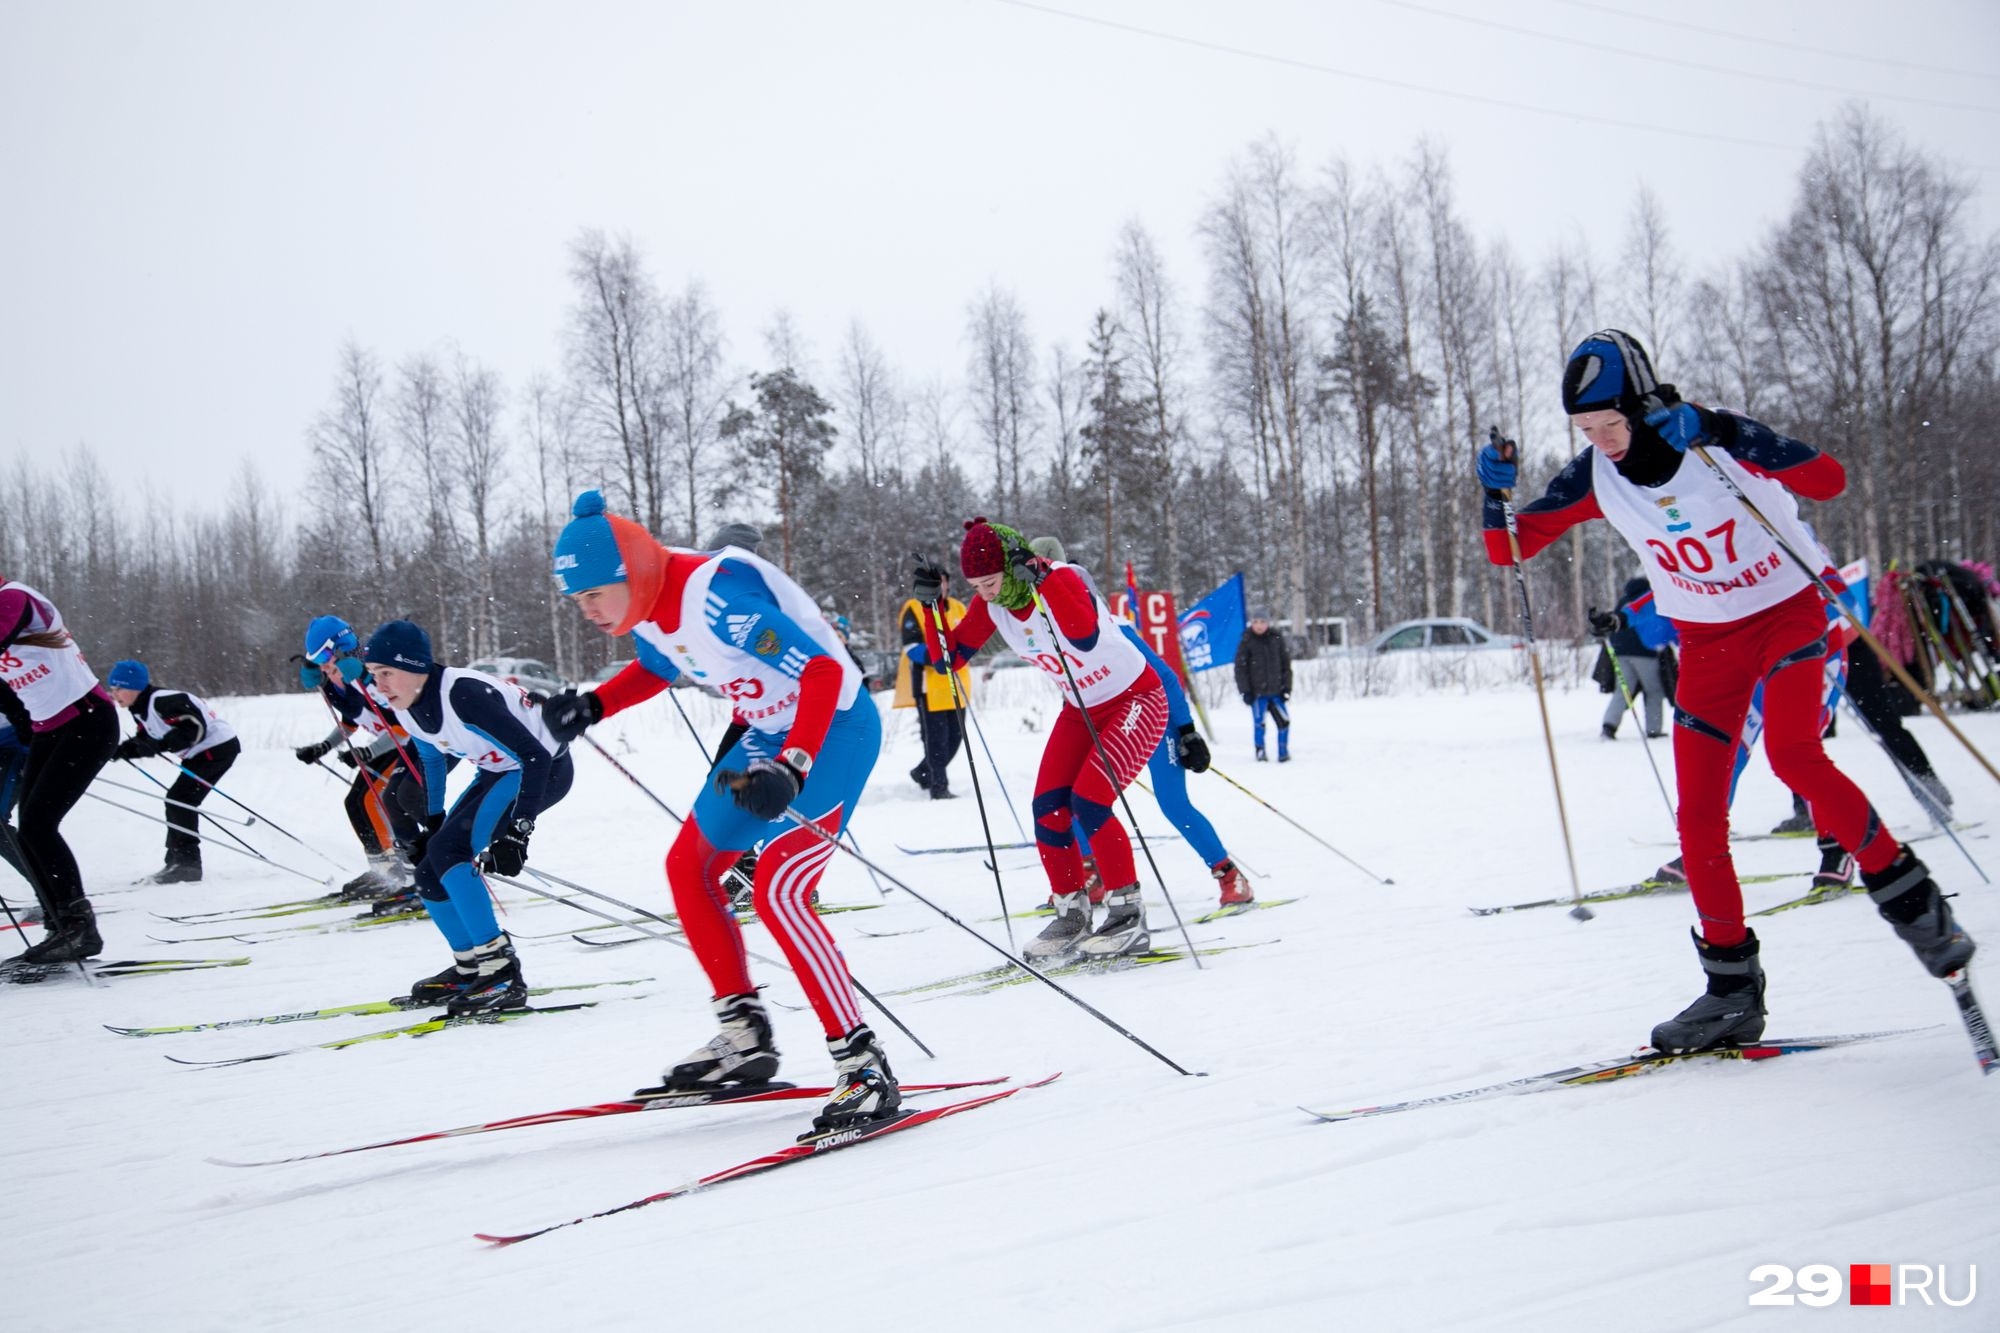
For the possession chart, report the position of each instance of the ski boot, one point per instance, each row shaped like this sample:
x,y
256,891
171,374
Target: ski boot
x,y
378,880
743,1052
1799,821
1093,885
72,936
496,982
443,987
864,1089
1284,755
1916,910
181,868
1836,868
1673,872
1939,794
1060,937
740,882
1732,1010
1608,732
1124,928
1261,756
1235,891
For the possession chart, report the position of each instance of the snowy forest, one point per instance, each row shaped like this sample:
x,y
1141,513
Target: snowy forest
x,y
1304,409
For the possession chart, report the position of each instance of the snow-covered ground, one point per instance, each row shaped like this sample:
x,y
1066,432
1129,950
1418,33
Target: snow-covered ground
x,y
1123,1197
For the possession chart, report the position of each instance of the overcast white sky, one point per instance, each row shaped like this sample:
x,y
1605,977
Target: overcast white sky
x,y
200,201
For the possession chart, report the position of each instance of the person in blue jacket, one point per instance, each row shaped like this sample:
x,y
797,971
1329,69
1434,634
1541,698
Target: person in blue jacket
x,y
451,713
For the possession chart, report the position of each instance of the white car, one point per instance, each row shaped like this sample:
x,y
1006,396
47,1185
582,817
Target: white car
x,y
1440,632
527,672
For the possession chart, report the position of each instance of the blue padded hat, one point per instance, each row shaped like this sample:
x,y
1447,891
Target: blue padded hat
x,y
128,675
400,644
1608,370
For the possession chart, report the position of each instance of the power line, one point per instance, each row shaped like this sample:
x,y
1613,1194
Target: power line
x,y
1629,53
1781,44
1455,94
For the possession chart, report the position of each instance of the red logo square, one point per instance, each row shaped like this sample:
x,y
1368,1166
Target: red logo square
x,y
1868,1284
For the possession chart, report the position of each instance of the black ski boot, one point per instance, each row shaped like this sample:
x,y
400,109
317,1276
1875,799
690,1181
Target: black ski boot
x,y
445,986
181,868
743,1052
1836,868
865,1088
1732,1011
1799,821
1060,937
496,982
1124,928
740,883
1916,910
1673,872
72,937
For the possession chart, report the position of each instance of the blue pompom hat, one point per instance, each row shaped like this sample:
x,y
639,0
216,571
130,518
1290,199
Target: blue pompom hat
x,y
587,554
400,644
327,637
128,675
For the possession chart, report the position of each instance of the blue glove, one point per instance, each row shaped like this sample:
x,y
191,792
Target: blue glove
x,y
1679,425
309,677
1497,471
918,654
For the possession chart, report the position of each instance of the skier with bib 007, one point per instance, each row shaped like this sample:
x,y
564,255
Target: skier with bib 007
x,y
790,781
1745,614
174,722
451,713
1046,612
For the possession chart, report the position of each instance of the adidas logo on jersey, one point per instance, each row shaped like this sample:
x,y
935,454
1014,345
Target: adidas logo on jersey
x,y
738,628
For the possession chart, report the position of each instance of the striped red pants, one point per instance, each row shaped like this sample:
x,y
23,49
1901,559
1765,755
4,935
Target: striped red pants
x,y
1074,790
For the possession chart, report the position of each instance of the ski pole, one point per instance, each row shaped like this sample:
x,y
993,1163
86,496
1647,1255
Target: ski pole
x,y
1939,816
199,812
221,846
862,990
1645,740
245,822
1379,879
1111,774
1027,967
19,859
1862,631
270,823
1507,452
972,762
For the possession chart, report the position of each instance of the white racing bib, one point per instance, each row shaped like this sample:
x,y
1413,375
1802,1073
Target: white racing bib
x,y
1103,671
47,680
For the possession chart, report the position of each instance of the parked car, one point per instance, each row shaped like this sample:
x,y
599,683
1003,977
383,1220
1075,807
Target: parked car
x,y
878,669
526,672
1439,632
1002,661
607,672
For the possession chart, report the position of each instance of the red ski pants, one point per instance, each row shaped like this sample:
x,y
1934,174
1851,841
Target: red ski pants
x,y
1073,789
788,868
1784,646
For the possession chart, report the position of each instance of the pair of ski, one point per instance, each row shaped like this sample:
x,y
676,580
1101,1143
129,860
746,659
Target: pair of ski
x,y
24,973
1047,910
1645,888
811,1146
1646,1059
1007,974
400,912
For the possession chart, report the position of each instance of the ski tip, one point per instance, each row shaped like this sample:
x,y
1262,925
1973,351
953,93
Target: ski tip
x,y
224,1161
497,1242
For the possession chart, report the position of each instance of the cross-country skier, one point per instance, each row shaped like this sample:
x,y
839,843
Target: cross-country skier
x,y
734,621
13,758
1181,751
1264,679
50,694
1046,612
451,713
175,723
1745,614
386,788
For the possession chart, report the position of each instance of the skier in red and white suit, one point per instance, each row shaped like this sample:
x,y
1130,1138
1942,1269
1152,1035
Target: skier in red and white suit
x,y
1097,669
1745,614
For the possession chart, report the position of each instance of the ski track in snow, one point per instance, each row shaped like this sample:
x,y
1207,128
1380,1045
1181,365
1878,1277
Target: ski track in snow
x,y
1122,1197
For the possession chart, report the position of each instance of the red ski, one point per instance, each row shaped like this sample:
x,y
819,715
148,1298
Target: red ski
x,y
796,1152
730,1096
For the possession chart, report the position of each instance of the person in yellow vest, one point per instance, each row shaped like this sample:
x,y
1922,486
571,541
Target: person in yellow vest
x,y
940,713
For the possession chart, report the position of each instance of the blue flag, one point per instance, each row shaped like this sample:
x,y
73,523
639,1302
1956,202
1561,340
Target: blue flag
x,y
1211,627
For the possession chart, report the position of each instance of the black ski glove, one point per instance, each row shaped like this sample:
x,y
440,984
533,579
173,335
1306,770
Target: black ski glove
x,y
1604,624
926,580
1028,567
508,851
136,747
420,841
346,756
570,713
312,754
766,790
1191,749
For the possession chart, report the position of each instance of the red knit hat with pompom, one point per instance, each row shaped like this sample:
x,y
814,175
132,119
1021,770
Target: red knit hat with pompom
x,y
982,552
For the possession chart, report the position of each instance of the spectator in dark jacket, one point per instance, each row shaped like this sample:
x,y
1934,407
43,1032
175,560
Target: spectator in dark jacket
x,y
1264,679
1636,657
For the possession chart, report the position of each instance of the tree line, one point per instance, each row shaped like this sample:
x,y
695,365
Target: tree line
x,y
1304,409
